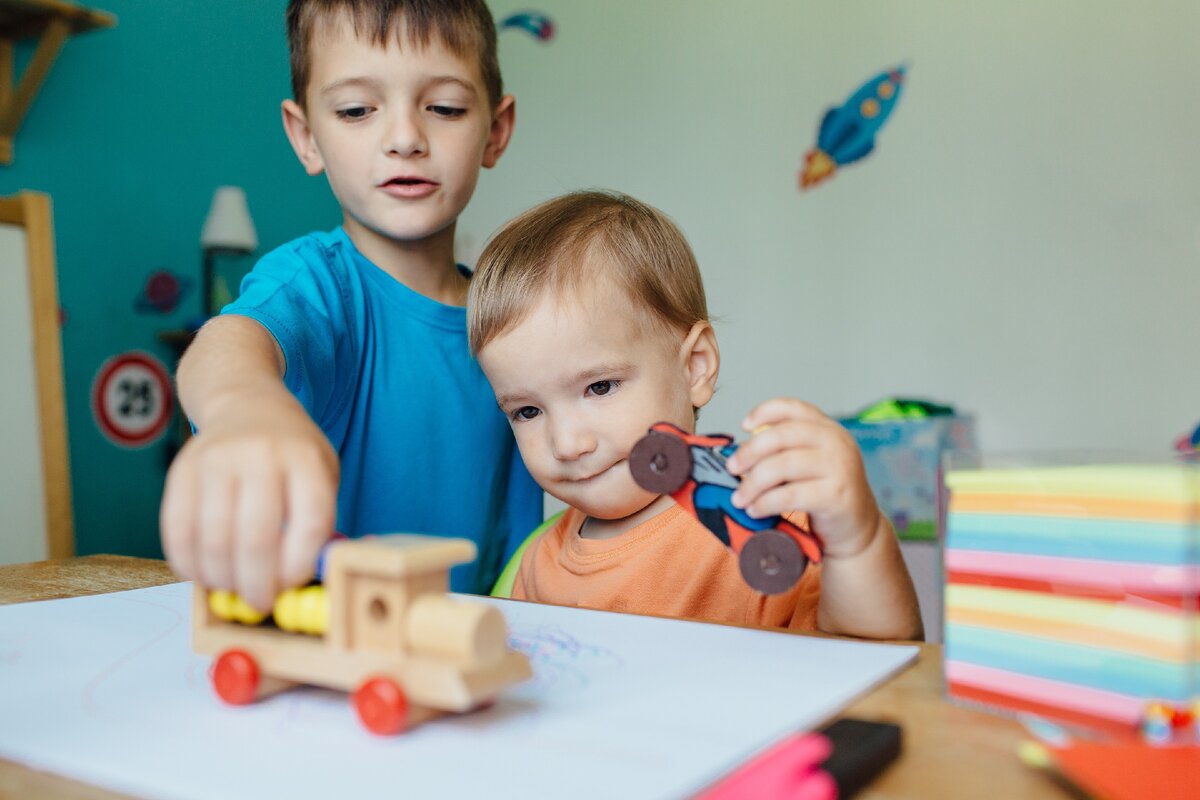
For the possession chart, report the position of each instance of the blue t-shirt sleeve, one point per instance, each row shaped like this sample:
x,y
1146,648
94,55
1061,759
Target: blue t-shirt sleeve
x,y
299,303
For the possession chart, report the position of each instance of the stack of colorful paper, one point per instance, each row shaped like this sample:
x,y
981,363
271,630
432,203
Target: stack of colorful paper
x,y
1072,591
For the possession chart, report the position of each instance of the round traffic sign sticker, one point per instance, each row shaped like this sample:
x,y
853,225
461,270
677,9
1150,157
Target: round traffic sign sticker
x,y
131,399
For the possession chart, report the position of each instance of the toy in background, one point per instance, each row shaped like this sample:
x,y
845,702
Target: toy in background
x,y
1190,442
1165,723
902,442
1073,591
847,133
772,552
381,626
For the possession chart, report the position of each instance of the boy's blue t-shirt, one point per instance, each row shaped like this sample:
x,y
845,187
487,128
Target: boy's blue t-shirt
x,y
386,373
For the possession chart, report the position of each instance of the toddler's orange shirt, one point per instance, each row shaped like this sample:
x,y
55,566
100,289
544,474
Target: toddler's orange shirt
x,y
668,566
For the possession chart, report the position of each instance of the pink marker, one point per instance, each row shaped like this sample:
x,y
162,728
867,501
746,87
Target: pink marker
x,y
831,764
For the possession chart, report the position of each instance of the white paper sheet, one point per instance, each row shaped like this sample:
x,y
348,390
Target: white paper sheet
x,y
105,689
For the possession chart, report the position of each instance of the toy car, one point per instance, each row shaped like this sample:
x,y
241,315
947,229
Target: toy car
x,y
772,552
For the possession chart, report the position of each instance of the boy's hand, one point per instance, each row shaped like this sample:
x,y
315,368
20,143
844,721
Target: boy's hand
x,y
801,460
250,501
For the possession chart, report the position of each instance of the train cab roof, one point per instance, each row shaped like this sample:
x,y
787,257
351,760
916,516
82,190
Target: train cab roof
x,y
400,554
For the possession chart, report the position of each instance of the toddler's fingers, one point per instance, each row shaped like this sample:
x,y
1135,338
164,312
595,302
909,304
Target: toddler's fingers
x,y
259,520
772,439
310,516
177,518
793,465
780,409
786,497
214,536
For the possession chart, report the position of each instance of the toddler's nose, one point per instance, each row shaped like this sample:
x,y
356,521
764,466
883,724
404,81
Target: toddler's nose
x,y
571,441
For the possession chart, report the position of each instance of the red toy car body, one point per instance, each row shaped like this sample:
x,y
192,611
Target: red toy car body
x,y
772,552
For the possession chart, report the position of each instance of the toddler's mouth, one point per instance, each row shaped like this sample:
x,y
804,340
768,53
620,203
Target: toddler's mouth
x,y
594,475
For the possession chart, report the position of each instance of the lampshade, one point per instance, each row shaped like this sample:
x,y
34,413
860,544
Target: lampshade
x,y
228,226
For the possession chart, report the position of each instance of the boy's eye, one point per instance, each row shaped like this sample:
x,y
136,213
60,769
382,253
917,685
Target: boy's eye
x,y
353,112
449,112
602,388
525,413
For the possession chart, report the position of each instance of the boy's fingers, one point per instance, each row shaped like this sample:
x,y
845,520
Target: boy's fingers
x,y
310,513
177,520
214,536
259,519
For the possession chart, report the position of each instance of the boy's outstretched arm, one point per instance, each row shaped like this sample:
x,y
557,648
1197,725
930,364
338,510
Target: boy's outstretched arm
x,y
249,500
804,461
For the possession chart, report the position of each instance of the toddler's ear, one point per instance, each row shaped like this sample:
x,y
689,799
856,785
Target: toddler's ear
x,y
501,131
295,124
703,362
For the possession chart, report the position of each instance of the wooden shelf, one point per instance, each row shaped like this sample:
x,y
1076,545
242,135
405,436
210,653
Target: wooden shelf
x,y
50,22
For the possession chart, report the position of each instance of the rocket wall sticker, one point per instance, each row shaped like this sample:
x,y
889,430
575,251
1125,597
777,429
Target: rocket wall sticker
x,y
847,133
537,25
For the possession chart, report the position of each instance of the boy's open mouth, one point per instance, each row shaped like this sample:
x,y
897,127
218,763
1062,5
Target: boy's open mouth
x,y
407,182
408,187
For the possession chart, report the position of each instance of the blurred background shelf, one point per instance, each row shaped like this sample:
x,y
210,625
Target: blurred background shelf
x,y
50,22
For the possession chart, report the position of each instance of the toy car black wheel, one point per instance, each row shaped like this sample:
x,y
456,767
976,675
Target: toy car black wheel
x,y
771,562
660,463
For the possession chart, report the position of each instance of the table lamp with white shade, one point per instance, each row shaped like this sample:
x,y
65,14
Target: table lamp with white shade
x,y
228,230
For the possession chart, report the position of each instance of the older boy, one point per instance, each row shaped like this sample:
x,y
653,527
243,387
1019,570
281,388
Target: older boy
x,y
588,316
346,351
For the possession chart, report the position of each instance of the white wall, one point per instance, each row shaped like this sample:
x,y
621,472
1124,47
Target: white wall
x,y
22,488
1023,243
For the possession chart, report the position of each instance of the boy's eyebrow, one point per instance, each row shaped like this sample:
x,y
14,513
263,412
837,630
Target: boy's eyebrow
x,y
591,375
432,81
440,79
345,82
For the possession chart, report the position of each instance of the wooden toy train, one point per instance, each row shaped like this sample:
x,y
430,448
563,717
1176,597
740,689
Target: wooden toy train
x,y
380,626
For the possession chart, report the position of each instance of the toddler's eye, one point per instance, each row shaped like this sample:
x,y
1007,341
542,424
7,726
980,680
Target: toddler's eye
x,y
602,388
525,413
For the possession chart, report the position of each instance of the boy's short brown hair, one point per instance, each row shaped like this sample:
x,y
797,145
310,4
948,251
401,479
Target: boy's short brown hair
x,y
465,27
552,246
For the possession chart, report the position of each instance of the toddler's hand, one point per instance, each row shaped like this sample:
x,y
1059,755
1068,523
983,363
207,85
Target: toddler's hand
x,y
250,501
801,460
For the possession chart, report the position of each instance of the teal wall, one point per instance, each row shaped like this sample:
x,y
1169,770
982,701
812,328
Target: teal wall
x,y
131,133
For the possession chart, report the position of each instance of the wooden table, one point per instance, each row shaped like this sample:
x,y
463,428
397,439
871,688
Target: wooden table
x,y
950,752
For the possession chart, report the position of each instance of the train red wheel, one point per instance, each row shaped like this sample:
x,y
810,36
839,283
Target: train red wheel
x,y
660,463
381,706
236,677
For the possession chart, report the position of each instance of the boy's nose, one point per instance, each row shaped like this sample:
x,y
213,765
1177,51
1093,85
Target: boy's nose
x,y
405,136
